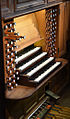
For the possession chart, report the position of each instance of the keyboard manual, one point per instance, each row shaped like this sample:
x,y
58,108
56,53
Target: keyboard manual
x,y
34,66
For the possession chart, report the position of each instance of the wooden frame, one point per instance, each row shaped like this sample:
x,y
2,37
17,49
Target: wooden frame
x,y
26,5
51,1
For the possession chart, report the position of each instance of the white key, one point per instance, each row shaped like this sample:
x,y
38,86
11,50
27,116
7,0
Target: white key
x,y
40,66
47,72
27,54
32,61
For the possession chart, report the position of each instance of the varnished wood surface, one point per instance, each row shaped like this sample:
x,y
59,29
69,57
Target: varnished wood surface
x,y
31,10
61,41
50,1
19,92
22,92
29,28
32,26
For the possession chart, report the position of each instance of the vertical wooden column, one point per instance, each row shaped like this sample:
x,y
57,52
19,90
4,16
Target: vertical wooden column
x,y
61,42
64,26
2,86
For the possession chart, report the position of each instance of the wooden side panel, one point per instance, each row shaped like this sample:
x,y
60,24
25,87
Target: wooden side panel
x,y
61,31
67,20
63,27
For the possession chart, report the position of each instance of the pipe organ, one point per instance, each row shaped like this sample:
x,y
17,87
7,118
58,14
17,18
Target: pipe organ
x,y
29,66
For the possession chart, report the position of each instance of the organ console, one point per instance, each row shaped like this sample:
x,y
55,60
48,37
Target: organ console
x,y
31,65
30,68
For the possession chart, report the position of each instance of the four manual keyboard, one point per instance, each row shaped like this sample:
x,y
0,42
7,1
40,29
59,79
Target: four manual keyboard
x,y
34,66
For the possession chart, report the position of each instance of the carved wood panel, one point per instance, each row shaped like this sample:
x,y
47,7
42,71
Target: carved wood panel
x,y
6,7
24,4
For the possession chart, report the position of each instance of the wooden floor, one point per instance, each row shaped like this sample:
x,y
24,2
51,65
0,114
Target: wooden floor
x,y
65,96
